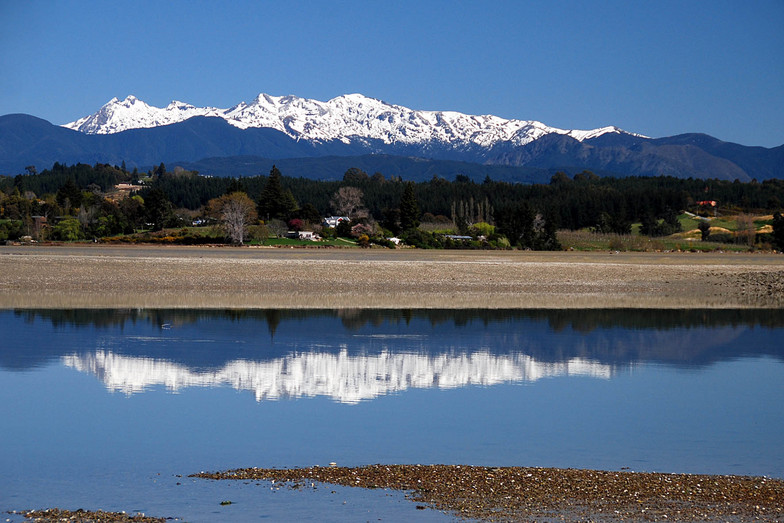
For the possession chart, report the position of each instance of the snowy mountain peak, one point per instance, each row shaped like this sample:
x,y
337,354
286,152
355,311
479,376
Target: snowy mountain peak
x,y
356,98
177,105
117,116
345,118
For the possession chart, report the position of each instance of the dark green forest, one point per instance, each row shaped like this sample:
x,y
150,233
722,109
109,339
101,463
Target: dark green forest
x,y
528,215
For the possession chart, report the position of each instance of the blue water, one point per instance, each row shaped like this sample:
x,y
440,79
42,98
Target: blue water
x,y
112,409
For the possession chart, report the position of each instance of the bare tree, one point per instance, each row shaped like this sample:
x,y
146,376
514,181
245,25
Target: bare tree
x,y
235,211
746,231
348,202
87,215
277,228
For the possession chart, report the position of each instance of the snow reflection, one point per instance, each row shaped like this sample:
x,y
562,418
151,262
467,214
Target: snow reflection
x,y
340,376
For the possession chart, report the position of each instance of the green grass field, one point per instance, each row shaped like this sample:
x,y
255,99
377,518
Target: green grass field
x,y
688,222
590,241
687,240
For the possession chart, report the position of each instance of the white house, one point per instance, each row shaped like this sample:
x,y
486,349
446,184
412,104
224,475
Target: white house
x,y
303,235
333,221
309,235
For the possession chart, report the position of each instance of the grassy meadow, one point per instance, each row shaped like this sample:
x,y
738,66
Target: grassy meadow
x,y
732,233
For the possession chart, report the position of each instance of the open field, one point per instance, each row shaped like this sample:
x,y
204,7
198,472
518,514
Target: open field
x,y
95,276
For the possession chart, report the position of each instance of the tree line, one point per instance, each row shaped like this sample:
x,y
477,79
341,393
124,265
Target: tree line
x,y
523,215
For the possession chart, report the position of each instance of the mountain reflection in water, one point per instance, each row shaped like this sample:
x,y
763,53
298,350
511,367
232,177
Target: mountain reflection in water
x,y
344,378
355,355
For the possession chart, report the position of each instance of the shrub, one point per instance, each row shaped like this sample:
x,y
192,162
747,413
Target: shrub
x,y
258,232
421,239
361,229
704,228
10,229
482,229
363,240
383,242
67,230
501,242
617,243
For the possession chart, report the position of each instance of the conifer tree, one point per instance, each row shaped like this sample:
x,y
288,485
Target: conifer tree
x,y
69,196
516,222
159,208
274,202
778,230
409,208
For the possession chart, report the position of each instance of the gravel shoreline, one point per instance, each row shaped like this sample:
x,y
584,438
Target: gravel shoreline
x,y
204,277
58,515
516,493
525,494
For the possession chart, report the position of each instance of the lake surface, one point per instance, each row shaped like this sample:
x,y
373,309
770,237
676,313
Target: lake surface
x,y
112,409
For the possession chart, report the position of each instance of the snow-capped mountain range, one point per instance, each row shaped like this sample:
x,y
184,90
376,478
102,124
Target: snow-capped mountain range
x,y
324,139
347,118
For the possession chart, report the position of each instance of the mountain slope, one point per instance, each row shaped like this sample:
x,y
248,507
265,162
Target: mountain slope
x,y
26,140
333,168
759,162
641,156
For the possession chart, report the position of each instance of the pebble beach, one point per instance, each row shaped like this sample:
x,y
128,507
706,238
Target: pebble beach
x,y
526,494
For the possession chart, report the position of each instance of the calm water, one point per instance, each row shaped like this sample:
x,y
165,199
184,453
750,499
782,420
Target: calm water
x,y
105,409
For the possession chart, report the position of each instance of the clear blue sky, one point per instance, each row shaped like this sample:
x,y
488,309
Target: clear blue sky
x,y
655,67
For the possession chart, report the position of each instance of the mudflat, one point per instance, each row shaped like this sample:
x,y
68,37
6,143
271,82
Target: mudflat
x,y
98,276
